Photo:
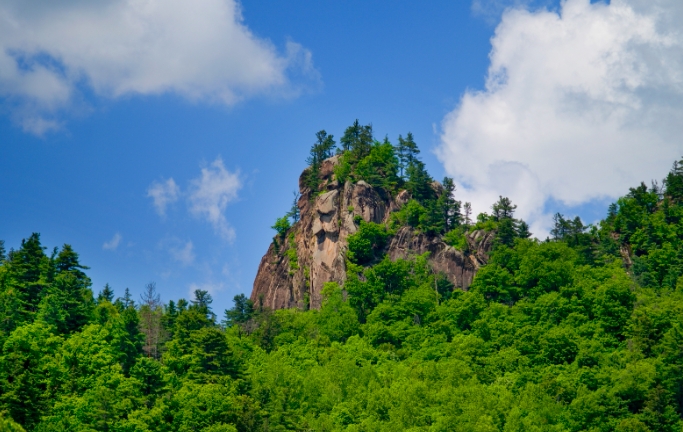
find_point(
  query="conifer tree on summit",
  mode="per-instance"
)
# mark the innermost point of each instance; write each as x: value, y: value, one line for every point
x: 407, y: 152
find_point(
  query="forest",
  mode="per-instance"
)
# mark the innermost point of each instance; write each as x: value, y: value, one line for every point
x: 581, y: 331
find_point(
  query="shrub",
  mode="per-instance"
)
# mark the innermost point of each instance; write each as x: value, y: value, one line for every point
x: 366, y: 242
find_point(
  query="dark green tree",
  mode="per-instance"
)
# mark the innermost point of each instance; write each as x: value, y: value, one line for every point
x: 322, y: 149
x: 107, y: 294
x: 419, y: 182
x: 202, y: 303
x: 503, y: 214
x: 241, y: 312
x: 27, y: 268
x: 407, y: 152
x: 357, y: 139
x: 673, y: 183
x: 449, y: 206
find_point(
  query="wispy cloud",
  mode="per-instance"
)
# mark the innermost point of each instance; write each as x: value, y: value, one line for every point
x: 210, y: 194
x: 163, y: 194
x: 579, y: 104
x: 212, y: 287
x: 184, y: 254
x: 112, y: 244
x: 51, y: 53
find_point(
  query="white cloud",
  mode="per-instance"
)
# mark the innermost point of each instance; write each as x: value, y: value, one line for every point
x: 203, y: 51
x: 113, y: 243
x: 211, y: 193
x: 578, y: 105
x: 183, y: 254
x: 163, y: 194
x: 211, y: 288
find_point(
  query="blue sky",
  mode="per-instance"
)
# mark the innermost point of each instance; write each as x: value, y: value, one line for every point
x: 217, y: 114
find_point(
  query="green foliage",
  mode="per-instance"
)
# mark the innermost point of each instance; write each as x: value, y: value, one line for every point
x: 291, y: 255
x: 241, y: 313
x: 367, y: 242
x: 344, y: 168
x: 322, y: 149
x: 580, y: 332
x: 380, y: 167
x: 281, y: 226
x: 456, y: 238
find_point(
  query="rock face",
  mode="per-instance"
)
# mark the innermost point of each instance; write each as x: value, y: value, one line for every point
x: 293, y: 271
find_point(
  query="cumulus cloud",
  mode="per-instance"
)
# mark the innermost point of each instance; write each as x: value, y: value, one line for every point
x: 113, y: 243
x: 579, y: 104
x: 203, y: 51
x: 211, y: 193
x: 184, y: 253
x: 163, y: 194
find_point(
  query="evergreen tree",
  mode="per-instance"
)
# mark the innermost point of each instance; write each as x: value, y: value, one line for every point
x: 241, y: 312
x: 560, y: 227
x: 407, y: 152
x: 68, y: 301
x: 503, y: 214
x: 351, y: 135
x: 673, y: 183
x: 294, y: 212
x: 127, y: 300
x: 468, y: 214
x: 503, y: 209
x: 202, y: 302
x: 131, y: 340
x: 523, y: 230
x: 449, y: 206
x: 2, y: 251
x: 106, y: 295
x: 357, y: 139
x: 170, y: 314
x: 419, y: 183
x: 26, y: 267
x: 321, y: 149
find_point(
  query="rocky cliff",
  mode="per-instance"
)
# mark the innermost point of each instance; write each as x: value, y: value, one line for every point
x: 295, y: 267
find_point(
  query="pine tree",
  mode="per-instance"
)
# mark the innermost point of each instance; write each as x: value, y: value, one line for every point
x: 468, y: 213
x: 240, y: 313
x: 357, y: 139
x: 407, y: 152
x: 2, y: 251
x: 503, y: 213
x: 560, y: 227
x: 351, y: 135
x: 503, y: 209
x: 106, y: 295
x: 450, y: 207
x: 67, y: 302
x: 320, y: 150
x: 523, y: 230
x: 294, y: 212
x: 28, y: 267
x: 419, y: 183
x: 202, y: 302
x: 673, y: 183
x: 127, y: 299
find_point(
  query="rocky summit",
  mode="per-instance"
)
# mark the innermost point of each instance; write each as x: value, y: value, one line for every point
x: 313, y: 250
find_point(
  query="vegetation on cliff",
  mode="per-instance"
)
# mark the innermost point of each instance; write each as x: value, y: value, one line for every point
x: 581, y: 331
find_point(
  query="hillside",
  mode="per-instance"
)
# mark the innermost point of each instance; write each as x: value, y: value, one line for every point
x: 381, y: 305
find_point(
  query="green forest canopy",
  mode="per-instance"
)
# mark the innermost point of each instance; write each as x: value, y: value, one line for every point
x: 582, y: 331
